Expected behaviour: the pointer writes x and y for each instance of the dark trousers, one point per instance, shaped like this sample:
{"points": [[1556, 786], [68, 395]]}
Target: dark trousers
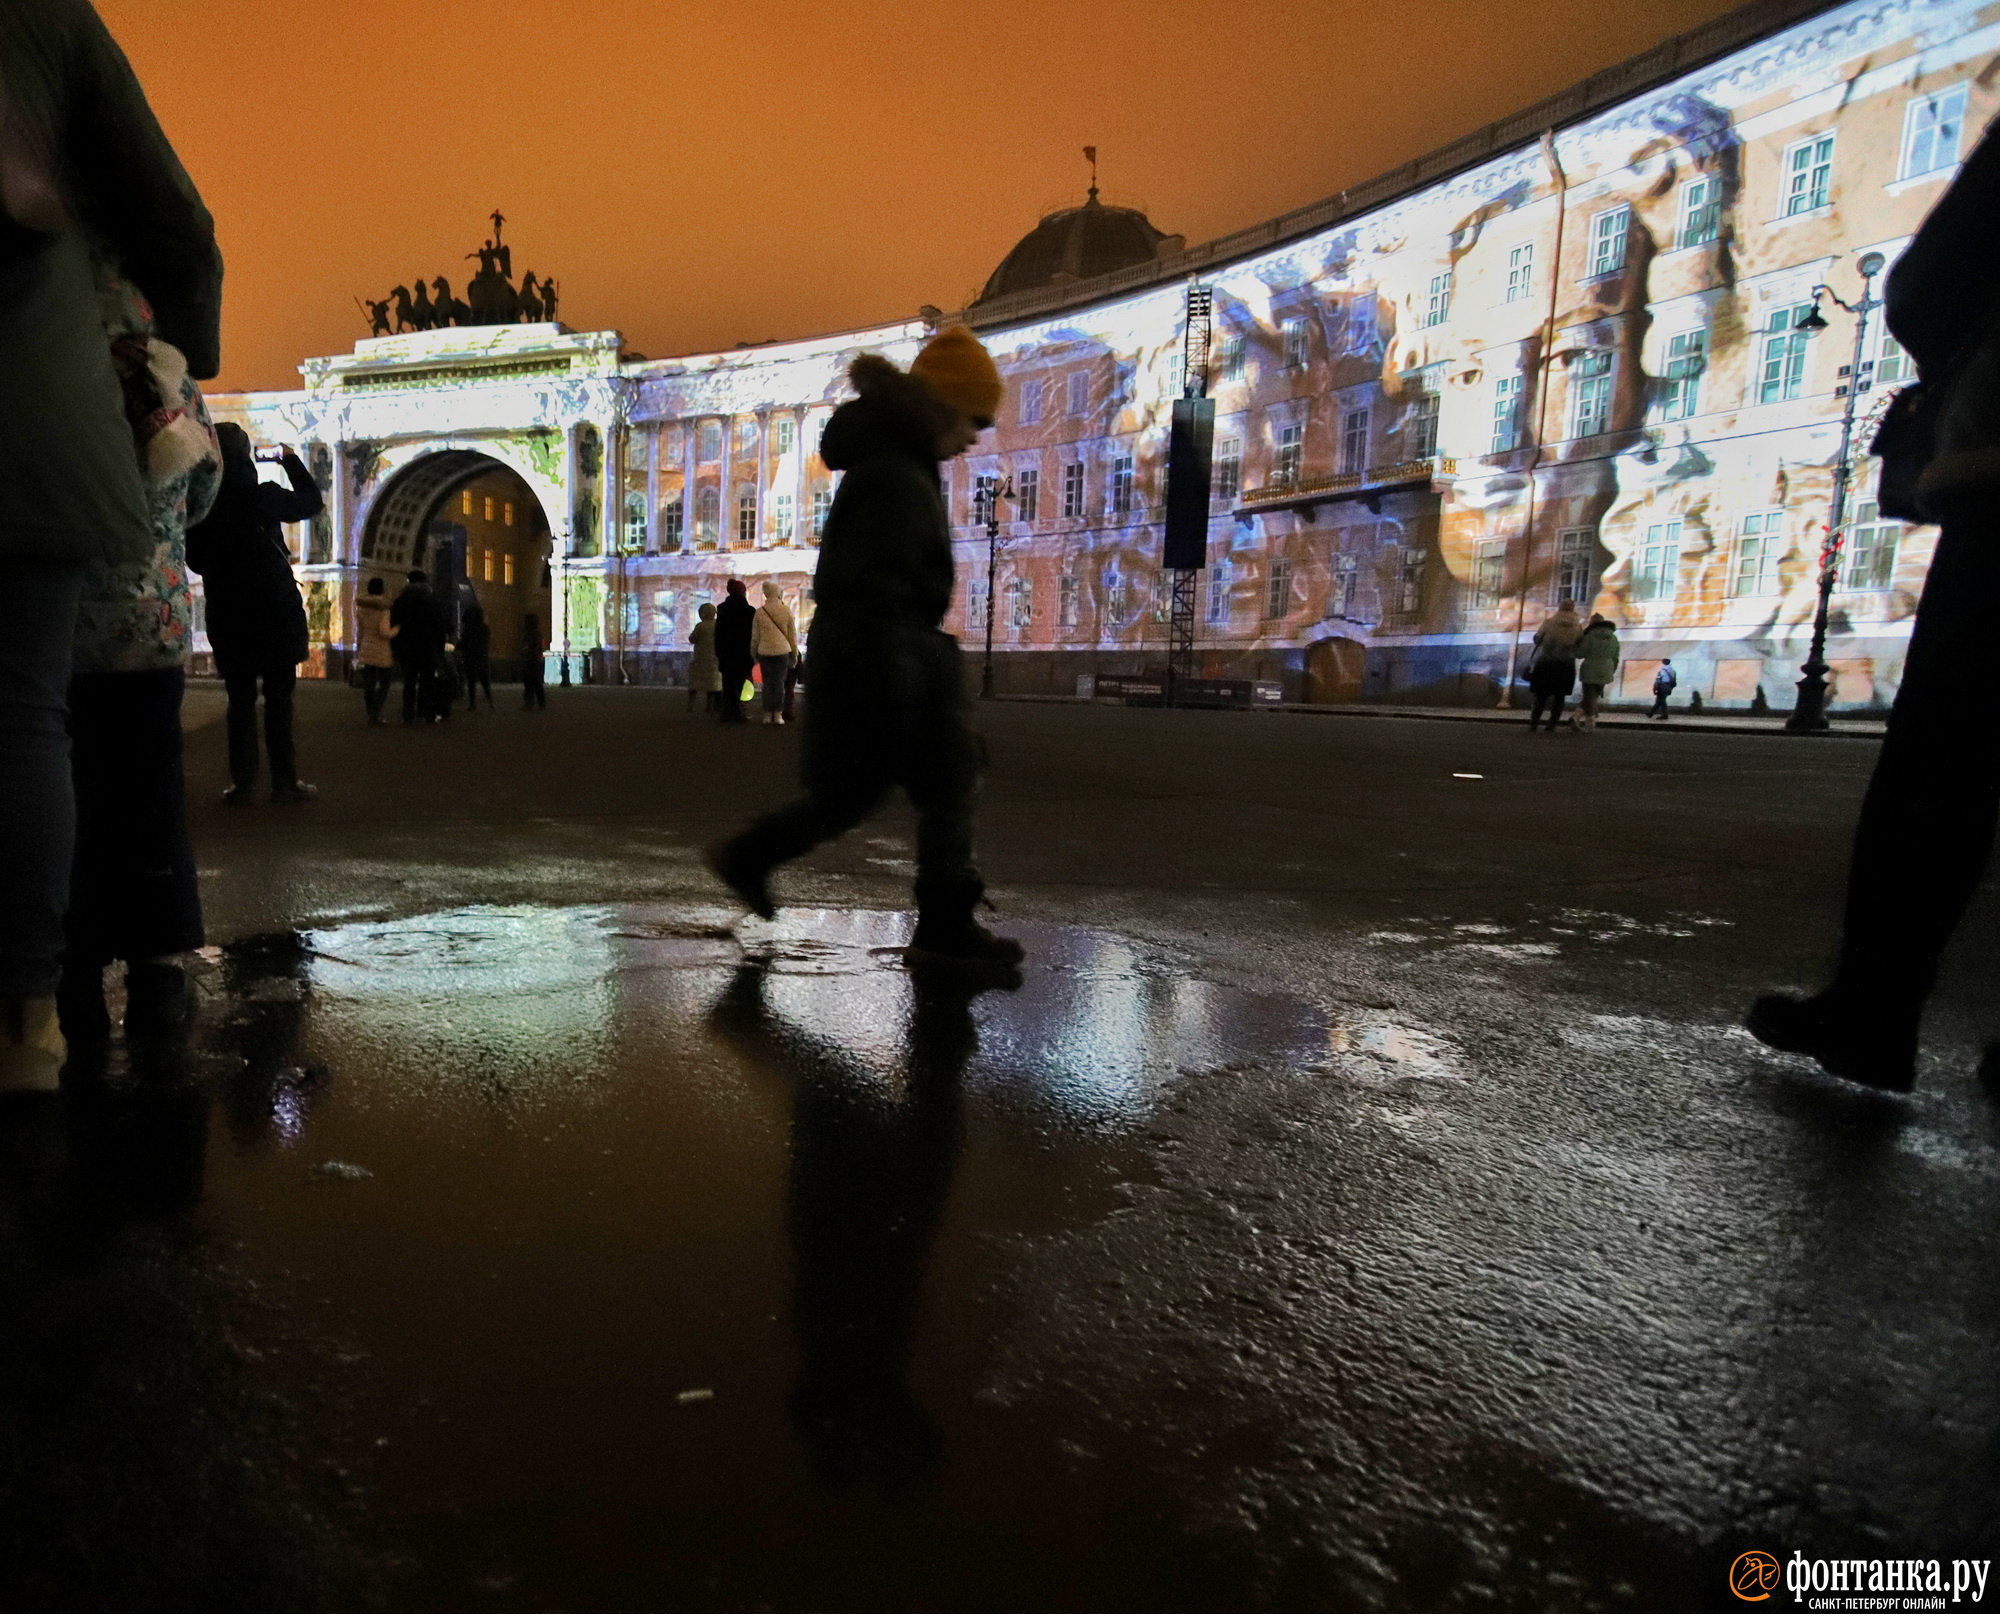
{"points": [[734, 671], [1552, 704], [37, 816], [133, 892], [534, 692], [1659, 704], [423, 691], [478, 676], [375, 683], [277, 685], [1927, 821]]}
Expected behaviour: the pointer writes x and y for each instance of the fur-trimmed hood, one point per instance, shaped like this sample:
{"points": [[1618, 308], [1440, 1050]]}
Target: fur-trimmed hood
{"points": [[893, 413]]}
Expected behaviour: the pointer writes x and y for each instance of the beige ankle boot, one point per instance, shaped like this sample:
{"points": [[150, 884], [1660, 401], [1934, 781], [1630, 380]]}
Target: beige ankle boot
{"points": [[31, 1045]]}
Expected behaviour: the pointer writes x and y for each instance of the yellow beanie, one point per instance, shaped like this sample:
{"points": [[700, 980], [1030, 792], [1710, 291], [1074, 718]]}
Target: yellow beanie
{"points": [[961, 372]]}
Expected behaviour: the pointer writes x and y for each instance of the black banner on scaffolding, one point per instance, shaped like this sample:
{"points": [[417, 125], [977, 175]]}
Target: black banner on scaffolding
{"points": [[1189, 451]]}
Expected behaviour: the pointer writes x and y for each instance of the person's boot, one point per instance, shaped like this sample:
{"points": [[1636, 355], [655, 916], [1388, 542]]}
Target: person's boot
{"points": [[745, 873], [240, 795], [1875, 1048], [31, 1046], [295, 791], [81, 1012], [159, 999], [946, 929]]}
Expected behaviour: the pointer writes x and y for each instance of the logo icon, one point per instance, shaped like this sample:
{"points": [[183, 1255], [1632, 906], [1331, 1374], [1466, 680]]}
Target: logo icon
{"points": [[1755, 1575]]}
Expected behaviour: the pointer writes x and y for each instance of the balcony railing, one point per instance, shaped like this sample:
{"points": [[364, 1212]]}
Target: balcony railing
{"points": [[1313, 489]]}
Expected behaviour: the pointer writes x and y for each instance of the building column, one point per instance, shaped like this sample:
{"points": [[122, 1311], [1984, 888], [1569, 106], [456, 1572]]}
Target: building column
{"points": [[801, 512], [690, 473], [561, 550], [652, 431]]}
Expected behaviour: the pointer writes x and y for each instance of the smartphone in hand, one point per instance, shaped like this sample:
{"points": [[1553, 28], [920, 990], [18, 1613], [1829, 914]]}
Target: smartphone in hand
{"points": [[273, 454]]}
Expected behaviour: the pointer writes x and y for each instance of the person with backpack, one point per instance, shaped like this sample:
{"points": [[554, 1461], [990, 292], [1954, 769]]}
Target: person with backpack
{"points": [[1665, 681]]}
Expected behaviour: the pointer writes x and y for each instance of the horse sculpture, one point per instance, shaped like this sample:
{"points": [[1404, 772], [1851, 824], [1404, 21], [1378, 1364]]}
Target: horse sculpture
{"points": [[531, 301], [421, 308], [406, 316], [490, 297]]}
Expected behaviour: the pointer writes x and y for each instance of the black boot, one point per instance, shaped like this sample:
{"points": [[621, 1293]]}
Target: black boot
{"points": [[159, 1000], [745, 873], [947, 930], [1876, 1048], [80, 1006]]}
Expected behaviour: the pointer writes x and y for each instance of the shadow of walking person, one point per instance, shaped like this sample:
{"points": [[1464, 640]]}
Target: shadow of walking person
{"points": [[872, 1162]]}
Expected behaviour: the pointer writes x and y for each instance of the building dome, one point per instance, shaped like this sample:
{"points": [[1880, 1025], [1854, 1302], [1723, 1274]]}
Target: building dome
{"points": [[1079, 243]]}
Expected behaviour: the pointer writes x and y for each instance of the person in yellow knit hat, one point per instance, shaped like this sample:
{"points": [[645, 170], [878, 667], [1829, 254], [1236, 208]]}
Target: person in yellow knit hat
{"points": [[884, 684]]}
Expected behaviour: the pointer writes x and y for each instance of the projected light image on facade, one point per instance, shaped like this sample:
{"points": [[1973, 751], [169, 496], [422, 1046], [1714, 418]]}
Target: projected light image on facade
{"points": [[1520, 369]]}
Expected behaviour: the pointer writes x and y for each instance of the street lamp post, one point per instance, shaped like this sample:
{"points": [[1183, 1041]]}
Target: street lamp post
{"points": [[1809, 716], [987, 508]]}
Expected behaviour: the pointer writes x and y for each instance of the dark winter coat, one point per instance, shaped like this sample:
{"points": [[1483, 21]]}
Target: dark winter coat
{"points": [[735, 621], [82, 160], [475, 638], [424, 627], [256, 619]]}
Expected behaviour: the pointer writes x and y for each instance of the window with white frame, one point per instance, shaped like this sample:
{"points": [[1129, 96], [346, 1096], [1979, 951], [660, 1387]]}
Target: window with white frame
{"points": [[628, 618], [1072, 506], [1340, 589], [975, 601], [1932, 125], [1437, 300], [1030, 401], [1410, 567], [1176, 375], [1575, 577], [1808, 172], [822, 508], [1114, 596], [787, 431], [1354, 441], [1020, 600], [1680, 375], [1163, 596], [1219, 580], [635, 520], [781, 517], [1868, 560], [1068, 590], [708, 441], [671, 532], [1358, 331], [1294, 333], [1609, 232], [1291, 446], [746, 436], [1420, 440], [1781, 367], [708, 517], [1228, 468], [985, 505], [1278, 588], [663, 616], [1521, 272], [1590, 392], [1760, 544], [1027, 494], [1489, 573], [1121, 485], [1656, 563], [1893, 363], [1701, 211], [1507, 413], [746, 520], [1231, 366], [1079, 392]]}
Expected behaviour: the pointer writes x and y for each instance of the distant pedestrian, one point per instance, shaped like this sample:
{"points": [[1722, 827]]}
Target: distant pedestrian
{"points": [[475, 643], [374, 648], [888, 684], [1597, 664], [422, 635], [735, 629], [775, 640], [704, 671], [1552, 668], [256, 618], [1665, 682], [534, 650]]}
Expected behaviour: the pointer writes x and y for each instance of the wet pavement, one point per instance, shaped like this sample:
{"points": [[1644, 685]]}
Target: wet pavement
{"points": [[1364, 1201]]}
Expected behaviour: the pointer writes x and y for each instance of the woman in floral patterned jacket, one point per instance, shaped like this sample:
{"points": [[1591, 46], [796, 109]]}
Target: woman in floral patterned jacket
{"points": [[133, 894]]}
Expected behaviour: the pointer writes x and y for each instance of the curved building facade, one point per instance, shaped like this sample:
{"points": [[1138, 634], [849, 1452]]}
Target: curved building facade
{"points": [[1560, 357]]}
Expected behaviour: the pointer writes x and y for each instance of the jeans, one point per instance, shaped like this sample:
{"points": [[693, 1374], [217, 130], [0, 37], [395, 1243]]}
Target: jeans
{"points": [[375, 683], [133, 892], [775, 670], [277, 688], [37, 803]]}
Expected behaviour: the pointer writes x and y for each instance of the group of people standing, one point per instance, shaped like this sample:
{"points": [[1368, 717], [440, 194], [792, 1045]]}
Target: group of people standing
{"points": [[413, 636], [1569, 651], [735, 638]]}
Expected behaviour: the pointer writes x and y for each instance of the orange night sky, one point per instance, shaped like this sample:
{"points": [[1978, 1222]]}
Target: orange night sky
{"points": [[698, 175]]}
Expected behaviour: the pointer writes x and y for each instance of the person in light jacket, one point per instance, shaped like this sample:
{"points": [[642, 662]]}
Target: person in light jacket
{"points": [[375, 648], [1597, 664], [704, 671], [774, 639]]}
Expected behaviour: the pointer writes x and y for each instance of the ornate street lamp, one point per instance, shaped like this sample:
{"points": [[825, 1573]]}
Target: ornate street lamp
{"points": [[1809, 716], [986, 507]]}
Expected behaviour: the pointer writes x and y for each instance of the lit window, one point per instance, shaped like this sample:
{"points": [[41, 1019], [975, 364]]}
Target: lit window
{"points": [[1437, 302], [635, 520], [1931, 129], [1506, 413], [1609, 232], [1294, 331], [822, 507], [1232, 358], [746, 436], [781, 517], [1291, 444], [1218, 594], [670, 526], [1809, 175], [489, 511], [1410, 582], [1067, 592], [1782, 368], [1354, 441], [708, 441], [1079, 392], [1701, 212], [1421, 439], [708, 517], [1521, 272], [1278, 590], [507, 569], [1027, 494], [1680, 380], [1656, 565], [785, 431], [465, 501], [1340, 594], [1489, 573], [983, 509], [1073, 490], [975, 601], [486, 565], [1121, 485], [1020, 600], [1114, 596], [1576, 566], [746, 520], [1759, 545], [1869, 561], [507, 513], [1228, 468], [1031, 402], [1163, 596], [1590, 393]]}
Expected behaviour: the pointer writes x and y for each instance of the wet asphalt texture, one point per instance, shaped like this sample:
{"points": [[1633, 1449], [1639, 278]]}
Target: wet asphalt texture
{"points": [[1365, 1202]]}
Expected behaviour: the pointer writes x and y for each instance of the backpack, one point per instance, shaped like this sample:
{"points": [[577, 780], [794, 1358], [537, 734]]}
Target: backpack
{"points": [[1664, 681]]}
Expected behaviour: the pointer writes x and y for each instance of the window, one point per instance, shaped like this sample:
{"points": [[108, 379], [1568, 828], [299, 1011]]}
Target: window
{"points": [[1218, 594], [663, 616], [507, 513], [507, 569], [1228, 468], [465, 501], [1521, 272], [1020, 600], [1437, 301], [708, 518], [1410, 582], [1609, 232], [1114, 596], [1031, 402], [1759, 543], [1489, 573], [1121, 485], [746, 436], [1892, 362], [670, 526], [1506, 413], [635, 520], [1870, 558], [975, 601], [786, 429], [1701, 212], [708, 441], [1163, 596], [781, 517], [1782, 367], [1576, 567], [1079, 392], [1656, 565], [985, 507], [628, 618], [1590, 392], [1232, 358], [1067, 592], [1073, 490], [746, 520], [1680, 378], [1809, 175], [1294, 332], [1177, 376], [1421, 440], [489, 509], [1931, 128], [1340, 595], [1027, 494], [1291, 440], [1354, 441], [822, 507], [1278, 591], [486, 565]]}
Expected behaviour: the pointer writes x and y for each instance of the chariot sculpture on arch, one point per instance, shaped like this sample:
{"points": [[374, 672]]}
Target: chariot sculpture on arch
{"points": [[491, 298]]}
